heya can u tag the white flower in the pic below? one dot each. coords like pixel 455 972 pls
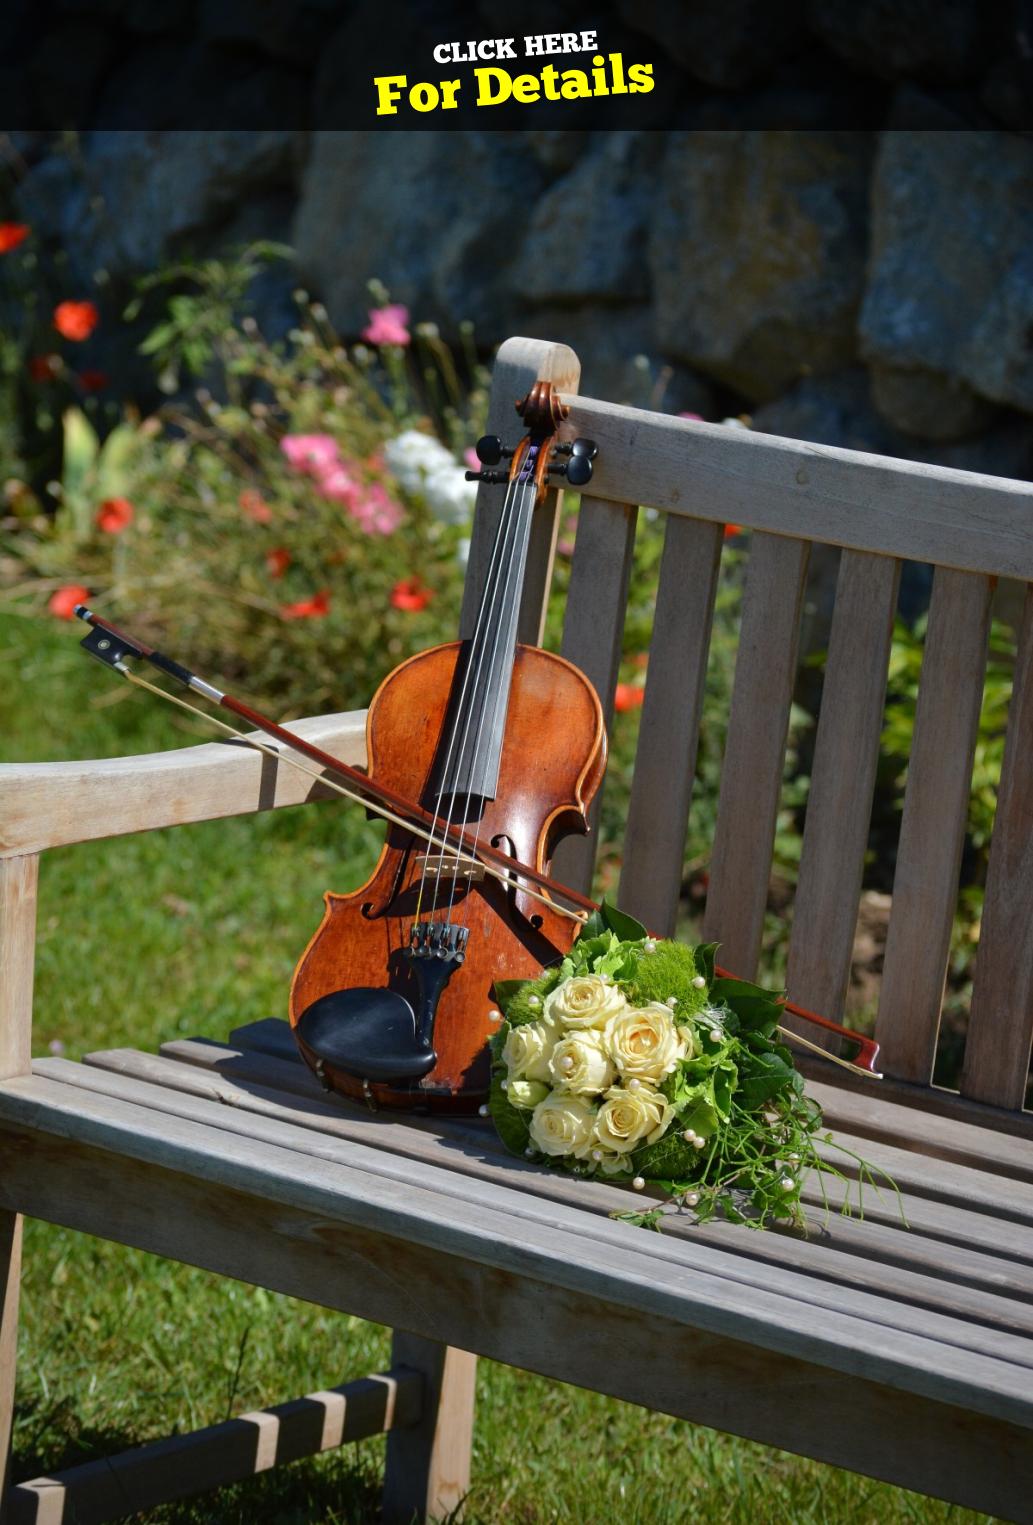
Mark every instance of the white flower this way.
pixel 584 1000
pixel 527 1050
pixel 526 1094
pixel 645 1042
pixel 562 1124
pixel 580 1063
pixel 422 464
pixel 629 1118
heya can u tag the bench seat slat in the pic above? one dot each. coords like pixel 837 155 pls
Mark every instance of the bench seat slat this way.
pixel 754 760
pixel 265 1086
pixel 684 1281
pixel 665 759
pixel 932 832
pixel 839 803
pixel 1000 1028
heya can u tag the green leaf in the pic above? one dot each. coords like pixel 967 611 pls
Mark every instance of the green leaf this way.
pixel 704 955
pixel 626 927
pixel 763 1077
pixel 592 927
pixel 505 990
pixel 511 1125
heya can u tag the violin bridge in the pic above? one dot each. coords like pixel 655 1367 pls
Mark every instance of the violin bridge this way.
pixel 441 866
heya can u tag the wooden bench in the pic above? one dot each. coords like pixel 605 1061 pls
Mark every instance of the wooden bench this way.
pixel 907 1355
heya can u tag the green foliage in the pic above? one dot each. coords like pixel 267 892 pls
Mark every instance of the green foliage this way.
pixel 668 971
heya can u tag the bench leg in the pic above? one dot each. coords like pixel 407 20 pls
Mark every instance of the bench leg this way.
pixel 10 1268
pixel 428 1464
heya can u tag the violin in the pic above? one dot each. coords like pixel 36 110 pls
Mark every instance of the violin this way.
pixel 392 999
pixel 482 755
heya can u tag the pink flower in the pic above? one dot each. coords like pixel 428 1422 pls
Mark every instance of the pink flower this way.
pixel 376 511
pixel 472 459
pixel 697 417
pixel 314 453
pixel 387 325
pixel 337 485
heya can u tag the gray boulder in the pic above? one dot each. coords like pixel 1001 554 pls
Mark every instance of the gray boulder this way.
pixel 619 361
pixel 950 289
pixel 440 230
pixel 587 234
pixel 757 250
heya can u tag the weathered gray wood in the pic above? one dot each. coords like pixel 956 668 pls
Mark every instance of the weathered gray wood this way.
pixel 182 1465
pixel 906 509
pixel 518 364
pixel 839 804
pixel 1000 1027
pixel 575 1334
pixel 18 883
pixel 938 1276
pixel 448 1208
pixel 51 804
pixel 665 761
pixel 593 631
pixel 427 1474
pixel 751 775
pixel 932 833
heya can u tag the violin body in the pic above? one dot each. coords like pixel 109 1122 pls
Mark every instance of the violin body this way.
pixel 553 755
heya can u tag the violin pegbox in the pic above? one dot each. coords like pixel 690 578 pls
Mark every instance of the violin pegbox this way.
pixel 542 412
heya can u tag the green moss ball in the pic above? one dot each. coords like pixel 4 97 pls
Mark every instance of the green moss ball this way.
pixel 670 970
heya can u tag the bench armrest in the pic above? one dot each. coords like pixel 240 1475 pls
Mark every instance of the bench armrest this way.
pixel 51 804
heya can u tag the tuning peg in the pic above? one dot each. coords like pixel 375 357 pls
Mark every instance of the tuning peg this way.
pixel 586 447
pixel 577 471
pixel 494 477
pixel 491 450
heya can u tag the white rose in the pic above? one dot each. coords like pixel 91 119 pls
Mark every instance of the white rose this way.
pixel 580 1063
pixel 562 1124
pixel 585 1000
pixel 644 1042
pixel 610 1163
pixel 526 1094
pixel 527 1049
pixel 629 1118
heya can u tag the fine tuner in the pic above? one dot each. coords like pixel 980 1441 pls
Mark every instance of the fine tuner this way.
pixel 577 470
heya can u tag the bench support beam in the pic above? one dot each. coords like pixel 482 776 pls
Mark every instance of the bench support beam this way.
pixel 428 1464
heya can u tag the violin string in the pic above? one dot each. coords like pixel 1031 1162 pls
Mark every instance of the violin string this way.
pixel 494 564
pixel 504 876
pixel 384 811
pixel 494 623
pixel 525 503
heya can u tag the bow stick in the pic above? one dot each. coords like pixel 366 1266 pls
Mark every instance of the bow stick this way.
pixel 111 646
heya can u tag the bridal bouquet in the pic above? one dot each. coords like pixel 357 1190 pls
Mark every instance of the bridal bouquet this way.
pixel 631 1062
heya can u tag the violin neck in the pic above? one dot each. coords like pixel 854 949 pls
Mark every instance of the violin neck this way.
pixel 472 741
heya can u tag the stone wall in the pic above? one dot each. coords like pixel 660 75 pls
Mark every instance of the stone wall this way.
pixel 869 289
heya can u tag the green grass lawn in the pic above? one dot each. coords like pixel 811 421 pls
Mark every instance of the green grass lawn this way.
pixel 193 931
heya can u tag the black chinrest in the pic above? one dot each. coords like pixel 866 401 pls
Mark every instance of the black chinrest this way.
pixel 368 1033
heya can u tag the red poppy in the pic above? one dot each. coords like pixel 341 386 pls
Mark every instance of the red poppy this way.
pixel 254 506
pixel 277 561
pixel 12 234
pixel 76 320
pixel 309 608
pixel 44 367
pixel 62 601
pixel 627 696
pixel 410 594
pixel 114 515
pixel 93 381
pixel 731 530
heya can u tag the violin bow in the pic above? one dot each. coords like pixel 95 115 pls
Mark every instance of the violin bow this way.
pixel 112 646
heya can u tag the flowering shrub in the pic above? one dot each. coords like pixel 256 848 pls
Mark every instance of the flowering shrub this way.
pixel 298 535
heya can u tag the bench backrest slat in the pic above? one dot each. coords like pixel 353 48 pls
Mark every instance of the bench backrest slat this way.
pixel 1001 1020
pixel 839 804
pixel 751 776
pixel 593 634
pixel 932 834
pixel 661 792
